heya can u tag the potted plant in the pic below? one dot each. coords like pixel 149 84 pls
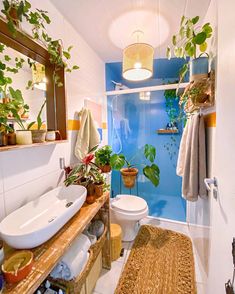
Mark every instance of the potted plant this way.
pixel 18 109
pixel 85 174
pixel 38 135
pixel 129 173
pixel 102 158
pixel 191 41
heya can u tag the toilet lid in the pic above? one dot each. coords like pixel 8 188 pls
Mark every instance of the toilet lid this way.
pixel 129 203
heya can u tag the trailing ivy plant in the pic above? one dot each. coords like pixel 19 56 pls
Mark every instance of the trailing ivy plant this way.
pixel 18 10
pixel 190 41
pixel 5 69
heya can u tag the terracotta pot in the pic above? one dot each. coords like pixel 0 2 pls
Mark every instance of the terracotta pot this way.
pixel 90 199
pixel 105 168
pixel 99 189
pixel 14 16
pixel 3 139
pixel 38 136
pixel 129 176
pixel 90 190
pixel 23 260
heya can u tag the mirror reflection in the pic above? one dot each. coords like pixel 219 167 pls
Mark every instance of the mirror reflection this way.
pixel 22 97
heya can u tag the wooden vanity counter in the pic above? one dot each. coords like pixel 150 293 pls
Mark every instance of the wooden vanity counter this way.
pixel 48 254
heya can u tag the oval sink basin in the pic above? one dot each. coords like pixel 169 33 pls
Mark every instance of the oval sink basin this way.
pixel 37 221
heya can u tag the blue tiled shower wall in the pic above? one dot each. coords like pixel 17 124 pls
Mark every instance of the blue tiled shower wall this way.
pixel 131 124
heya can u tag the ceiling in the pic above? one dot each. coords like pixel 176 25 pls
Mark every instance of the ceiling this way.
pixel 108 25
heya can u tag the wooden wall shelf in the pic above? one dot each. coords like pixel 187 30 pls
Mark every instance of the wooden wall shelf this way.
pixel 163 131
pixel 48 254
pixel 16 147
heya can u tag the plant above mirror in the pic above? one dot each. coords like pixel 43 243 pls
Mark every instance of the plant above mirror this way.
pixel 17 11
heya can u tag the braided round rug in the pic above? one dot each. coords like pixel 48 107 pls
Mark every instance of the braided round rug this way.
pixel 160 262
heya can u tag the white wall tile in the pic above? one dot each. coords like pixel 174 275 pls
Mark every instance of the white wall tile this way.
pixel 21 195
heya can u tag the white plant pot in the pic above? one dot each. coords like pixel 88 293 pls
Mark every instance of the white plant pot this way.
pixel 23 137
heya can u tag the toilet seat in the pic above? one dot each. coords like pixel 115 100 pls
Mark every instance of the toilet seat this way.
pixel 129 204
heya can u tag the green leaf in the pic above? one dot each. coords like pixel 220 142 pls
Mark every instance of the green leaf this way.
pixel 152 173
pixel 168 52
pixel 182 20
pixel 117 161
pixel 174 40
pixel 203 47
pixel 46 17
pixel 176 52
pixel 200 38
pixel 30 125
pixel 195 19
pixel 66 54
pixel 149 152
pixel 75 67
pixel 69 49
pixel 7 58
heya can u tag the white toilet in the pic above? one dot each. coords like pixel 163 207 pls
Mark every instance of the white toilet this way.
pixel 127 211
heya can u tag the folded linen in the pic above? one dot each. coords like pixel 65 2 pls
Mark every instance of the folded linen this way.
pixel 74 259
pixel 68 270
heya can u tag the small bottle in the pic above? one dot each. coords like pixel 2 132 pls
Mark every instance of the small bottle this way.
pixel 11 136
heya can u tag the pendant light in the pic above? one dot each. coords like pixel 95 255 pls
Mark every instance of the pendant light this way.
pixel 138 60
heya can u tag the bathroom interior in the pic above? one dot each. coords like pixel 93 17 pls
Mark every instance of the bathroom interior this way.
pixel 117 147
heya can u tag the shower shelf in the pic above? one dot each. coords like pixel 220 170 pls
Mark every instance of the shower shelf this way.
pixel 163 131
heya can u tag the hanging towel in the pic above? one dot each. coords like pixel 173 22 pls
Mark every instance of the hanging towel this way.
pixel 74 260
pixel 191 164
pixel 88 135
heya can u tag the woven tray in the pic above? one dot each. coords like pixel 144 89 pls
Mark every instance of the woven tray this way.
pixel 74 286
pixel 160 262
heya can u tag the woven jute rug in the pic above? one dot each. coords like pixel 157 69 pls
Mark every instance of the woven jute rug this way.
pixel 161 262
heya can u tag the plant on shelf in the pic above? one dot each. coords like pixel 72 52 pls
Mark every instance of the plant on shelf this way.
pixel 102 158
pixel 191 41
pixel 17 11
pixel 129 173
pixel 88 174
pixel 39 134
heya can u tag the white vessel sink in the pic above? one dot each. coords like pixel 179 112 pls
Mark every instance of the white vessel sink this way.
pixel 37 221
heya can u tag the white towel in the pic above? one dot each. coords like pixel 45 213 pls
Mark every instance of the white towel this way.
pixel 88 135
pixel 191 164
pixel 74 260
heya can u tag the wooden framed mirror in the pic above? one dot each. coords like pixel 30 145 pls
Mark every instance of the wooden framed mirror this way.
pixel 55 114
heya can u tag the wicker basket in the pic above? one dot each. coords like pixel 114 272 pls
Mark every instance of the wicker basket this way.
pixel 74 286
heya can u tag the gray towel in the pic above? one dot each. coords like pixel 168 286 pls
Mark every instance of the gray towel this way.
pixel 192 159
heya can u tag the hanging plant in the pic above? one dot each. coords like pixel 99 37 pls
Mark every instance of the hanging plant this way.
pixel 190 41
pixel 38 19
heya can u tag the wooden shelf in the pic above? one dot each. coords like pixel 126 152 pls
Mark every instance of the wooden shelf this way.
pixel 163 131
pixel 15 147
pixel 48 254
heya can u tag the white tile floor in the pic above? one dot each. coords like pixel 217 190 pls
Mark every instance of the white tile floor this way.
pixel 108 279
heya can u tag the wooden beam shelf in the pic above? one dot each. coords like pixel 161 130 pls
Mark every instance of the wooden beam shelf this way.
pixel 16 147
pixel 47 255
pixel 164 131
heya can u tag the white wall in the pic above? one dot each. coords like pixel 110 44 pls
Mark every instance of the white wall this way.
pixel 199 213
pixel 26 174
pixel 223 210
